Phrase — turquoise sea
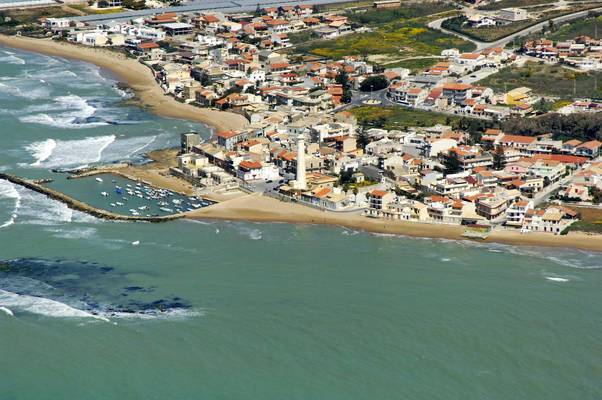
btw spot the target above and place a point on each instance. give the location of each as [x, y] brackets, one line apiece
[232, 310]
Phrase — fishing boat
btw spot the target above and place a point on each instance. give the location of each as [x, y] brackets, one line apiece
[105, 194]
[112, 204]
[119, 203]
[98, 179]
[165, 209]
[118, 191]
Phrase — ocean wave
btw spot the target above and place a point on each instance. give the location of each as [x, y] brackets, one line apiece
[76, 233]
[52, 153]
[42, 306]
[12, 59]
[37, 209]
[41, 150]
[8, 190]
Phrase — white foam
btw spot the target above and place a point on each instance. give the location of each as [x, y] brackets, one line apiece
[77, 233]
[12, 59]
[38, 209]
[71, 153]
[43, 306]
[7, 311]
[41, 150]
[556, 279]
[8, 190]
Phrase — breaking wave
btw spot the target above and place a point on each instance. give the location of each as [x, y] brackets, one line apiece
[69, 153]
[8, 190]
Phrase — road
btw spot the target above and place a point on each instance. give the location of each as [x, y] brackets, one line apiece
[504, 41]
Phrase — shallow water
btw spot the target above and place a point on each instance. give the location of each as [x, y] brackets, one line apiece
[234, 310]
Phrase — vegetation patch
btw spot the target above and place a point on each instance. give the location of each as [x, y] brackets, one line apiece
[414, 65]
[587, 26]
[399, 117]
[581, 126]
[26, 19]
[395, 33]
[547, 80]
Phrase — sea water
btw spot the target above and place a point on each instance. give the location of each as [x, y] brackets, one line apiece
[92, 309]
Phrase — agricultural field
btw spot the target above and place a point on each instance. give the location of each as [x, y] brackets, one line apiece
[547, 80]
[402, 37]
[399, 117]
[414, 65]
[579, 27]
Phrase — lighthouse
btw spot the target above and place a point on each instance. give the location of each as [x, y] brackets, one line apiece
[300, 183]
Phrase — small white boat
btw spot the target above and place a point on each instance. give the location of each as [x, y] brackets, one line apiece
[105, 194]
[119, 203]
[165, 209]
[112, 204]
[98, 179]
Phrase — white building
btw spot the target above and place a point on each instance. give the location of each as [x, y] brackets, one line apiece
[255, 171]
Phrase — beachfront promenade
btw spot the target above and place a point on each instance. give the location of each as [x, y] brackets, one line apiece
[81, 206]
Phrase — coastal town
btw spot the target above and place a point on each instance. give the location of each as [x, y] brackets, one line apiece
[305, 141]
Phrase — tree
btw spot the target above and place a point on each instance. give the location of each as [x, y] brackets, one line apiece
[346, 97]
[257, 11]
[376, 82]
[363, 139]
[103, 4]
[342, 79]
[451, 162]
[499, 160]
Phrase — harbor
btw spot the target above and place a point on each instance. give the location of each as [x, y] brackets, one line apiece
[117, 198]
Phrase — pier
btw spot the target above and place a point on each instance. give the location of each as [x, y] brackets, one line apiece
[81, 206]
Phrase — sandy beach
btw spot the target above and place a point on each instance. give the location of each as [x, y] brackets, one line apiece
[255, 207]
[258, 208]
[136, 75]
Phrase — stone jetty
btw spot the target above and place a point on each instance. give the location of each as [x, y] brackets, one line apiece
[81, 206]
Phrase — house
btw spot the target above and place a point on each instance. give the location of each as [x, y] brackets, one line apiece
[387, 4]
[576, 192]
[378, 201]
[228, 139]
[512, 14]
[518, 96]
[491, 207]
[515, 214]
[456, 92]
[254, 170]
[589, 149]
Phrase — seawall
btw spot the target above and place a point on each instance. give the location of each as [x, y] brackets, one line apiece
[81, 206]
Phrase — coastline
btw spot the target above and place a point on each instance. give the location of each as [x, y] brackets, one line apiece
[258, 208]
[239, 206]
[136, 75]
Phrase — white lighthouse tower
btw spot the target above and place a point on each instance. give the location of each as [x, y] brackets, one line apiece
[301, 182]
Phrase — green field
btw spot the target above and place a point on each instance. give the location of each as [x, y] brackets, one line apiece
[579, 27]
[399, 117]
[546, 80]
[414, 65]
[397, 33]
[408, 38]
